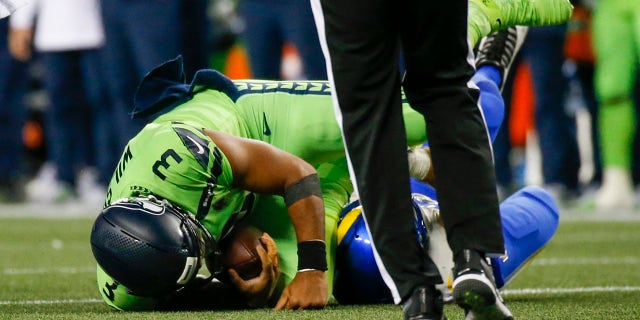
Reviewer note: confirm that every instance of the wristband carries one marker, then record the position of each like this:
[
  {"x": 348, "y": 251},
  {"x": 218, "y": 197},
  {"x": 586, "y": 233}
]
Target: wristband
[{"x": 312, "y": 255}]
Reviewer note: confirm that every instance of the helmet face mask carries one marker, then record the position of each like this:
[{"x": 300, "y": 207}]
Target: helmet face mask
[
  {"x": 209, "y": 249},
  {"x": 151, "y": 246}
]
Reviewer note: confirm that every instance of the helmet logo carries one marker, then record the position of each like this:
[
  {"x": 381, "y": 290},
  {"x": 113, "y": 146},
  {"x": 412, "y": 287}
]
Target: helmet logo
[
  {"x": 153, "y": 208},
  {"x": 149, "y": 206}
]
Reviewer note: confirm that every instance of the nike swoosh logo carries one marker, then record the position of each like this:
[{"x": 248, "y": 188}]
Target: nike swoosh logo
[
  {"x": 267, "y": 130},
  {"x": 200, "y": 148}
]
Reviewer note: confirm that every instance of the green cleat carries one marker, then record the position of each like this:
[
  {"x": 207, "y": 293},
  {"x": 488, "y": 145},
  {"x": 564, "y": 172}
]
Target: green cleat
[{"x": 486, "y": 16}]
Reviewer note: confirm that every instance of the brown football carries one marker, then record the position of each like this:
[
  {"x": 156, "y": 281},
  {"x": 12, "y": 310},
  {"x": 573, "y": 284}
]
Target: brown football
[{"x": 239, "y": 251}]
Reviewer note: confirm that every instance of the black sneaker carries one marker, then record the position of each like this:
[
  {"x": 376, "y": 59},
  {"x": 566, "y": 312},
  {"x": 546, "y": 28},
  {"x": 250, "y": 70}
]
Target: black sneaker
[
  {"x": 474, "y": 288},
  {"x": 425, "y": 303},
  {"x": 500, "y": 48}
]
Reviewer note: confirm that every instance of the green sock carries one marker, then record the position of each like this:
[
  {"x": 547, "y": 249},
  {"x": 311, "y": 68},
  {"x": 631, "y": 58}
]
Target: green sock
[{"x": 617, "y": 127}]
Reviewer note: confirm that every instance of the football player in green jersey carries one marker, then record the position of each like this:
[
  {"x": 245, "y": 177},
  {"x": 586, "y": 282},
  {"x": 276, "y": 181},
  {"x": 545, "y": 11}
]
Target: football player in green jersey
[{"x": 218, "y": 152}]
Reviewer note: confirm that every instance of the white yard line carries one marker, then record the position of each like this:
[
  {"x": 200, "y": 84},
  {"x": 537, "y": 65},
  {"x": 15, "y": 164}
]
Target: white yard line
[
  {"x": 35, "y": 302},
  {"x": 31, "y": 271},
  {"x": 524, "y": 291},
  {"x": 534, "y": 291},
  {"x": 585, "y": 261},
  {"x": 48, "y": 211}
]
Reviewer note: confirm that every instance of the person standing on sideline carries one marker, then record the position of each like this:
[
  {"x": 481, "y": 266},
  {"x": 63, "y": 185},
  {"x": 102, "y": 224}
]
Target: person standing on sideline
[
  {"x": 555, "y": 123},
  {"x": 269, "y": 25},
  {"x": 362, "y": 42},
  {"x": 13, "y": 114},
  {"x": 68, "y": 37},
  {"x": 140, "y": 35},
  {"x": 615, "y": 42}
]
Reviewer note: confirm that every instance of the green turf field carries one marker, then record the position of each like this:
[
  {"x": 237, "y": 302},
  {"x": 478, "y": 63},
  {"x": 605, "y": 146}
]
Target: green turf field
[{"x": 590, "y": 270}]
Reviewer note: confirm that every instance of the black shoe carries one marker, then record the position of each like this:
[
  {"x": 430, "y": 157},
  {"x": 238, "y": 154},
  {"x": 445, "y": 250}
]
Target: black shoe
[
  {"x": 425, "y": 303},
  {"x": 500, "y": 48},
  {"x": 474, "y": 288}
]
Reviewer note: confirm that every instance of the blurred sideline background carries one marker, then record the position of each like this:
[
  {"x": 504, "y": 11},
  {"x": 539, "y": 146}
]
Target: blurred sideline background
[{"x": 228, "y": 54}]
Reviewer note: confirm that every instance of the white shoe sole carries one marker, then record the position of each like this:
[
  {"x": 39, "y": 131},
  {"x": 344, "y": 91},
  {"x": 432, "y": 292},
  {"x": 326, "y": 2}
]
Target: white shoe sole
[{"x": 478, "y": 296}]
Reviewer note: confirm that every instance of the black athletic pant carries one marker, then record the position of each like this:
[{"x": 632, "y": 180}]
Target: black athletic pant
[{"x": 363, "y": 38}]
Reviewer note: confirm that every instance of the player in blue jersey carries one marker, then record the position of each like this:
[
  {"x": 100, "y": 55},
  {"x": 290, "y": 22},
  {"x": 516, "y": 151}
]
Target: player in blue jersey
[{"x": 529, "y": 217}]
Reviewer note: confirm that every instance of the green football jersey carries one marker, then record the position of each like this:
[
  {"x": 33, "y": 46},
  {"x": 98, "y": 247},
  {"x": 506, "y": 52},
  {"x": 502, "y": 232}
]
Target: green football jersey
[
  {"x": 299, "y": 117},
  {"x": 172, "y": 158}
]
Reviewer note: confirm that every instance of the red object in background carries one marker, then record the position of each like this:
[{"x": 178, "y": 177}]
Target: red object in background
[
  {"x": 578, "y": 46},
  {"x": 237, "y": 63},
  {"x": 522, "y": 104},
  {"x": 33, "y": 135},
  {"x": 237, "y": 67}
]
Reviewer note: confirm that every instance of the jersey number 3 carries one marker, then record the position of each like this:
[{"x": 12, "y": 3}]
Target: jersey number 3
[{"x": 170, "y": 153}]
